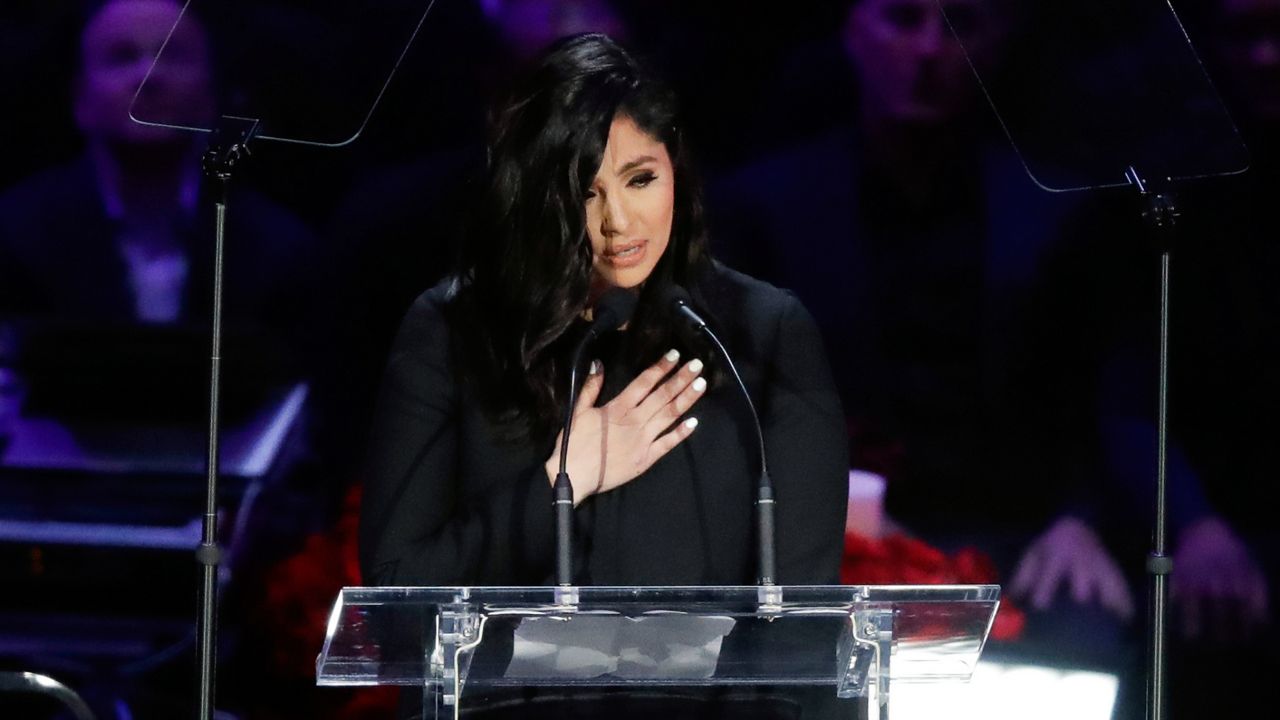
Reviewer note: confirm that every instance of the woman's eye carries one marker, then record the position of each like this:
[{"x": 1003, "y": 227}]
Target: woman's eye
[
  {"x": 642, "y": 180},
  {"x": 591, "y": 194}
]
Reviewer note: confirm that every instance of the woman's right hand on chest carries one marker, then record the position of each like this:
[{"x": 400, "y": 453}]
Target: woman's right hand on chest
[{"x": 613, "y": 444}]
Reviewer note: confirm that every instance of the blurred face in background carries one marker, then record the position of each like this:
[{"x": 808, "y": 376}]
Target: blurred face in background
[
  {"x": 529, "y": 26},
  {"x": 910, "y": 68},
  {"x": 1248, "y": 47},
  {"x": 117, "y": 48}
]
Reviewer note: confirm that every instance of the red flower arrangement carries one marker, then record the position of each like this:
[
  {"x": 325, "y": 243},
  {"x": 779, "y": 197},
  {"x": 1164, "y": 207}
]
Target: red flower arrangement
[
  {"x": 901, "y": 560},
  {"x": 300, "y": 592}
]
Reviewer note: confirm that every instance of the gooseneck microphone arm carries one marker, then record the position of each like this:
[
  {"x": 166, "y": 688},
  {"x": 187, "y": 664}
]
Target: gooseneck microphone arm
[
  {"x": 563, "y": 488},
  {"x": 767, "y": 565},
  {"x": 612, "y": 310},
  {"x": 765, "y": 561}
]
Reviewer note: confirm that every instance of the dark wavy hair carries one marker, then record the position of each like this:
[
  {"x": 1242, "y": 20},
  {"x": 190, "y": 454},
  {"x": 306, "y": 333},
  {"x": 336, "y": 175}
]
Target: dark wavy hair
[{"x": 525, "y": 263}]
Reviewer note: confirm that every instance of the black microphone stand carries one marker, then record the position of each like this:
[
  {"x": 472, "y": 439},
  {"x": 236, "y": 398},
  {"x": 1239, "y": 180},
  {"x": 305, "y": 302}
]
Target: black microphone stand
[
  {"x": 228, "y": 147},
  {"x": 563, "y": 488},
  {"x": 765, "y": 560},
  {"x": 1161, "y": 214},
  {"x": 613, "y": 309}
]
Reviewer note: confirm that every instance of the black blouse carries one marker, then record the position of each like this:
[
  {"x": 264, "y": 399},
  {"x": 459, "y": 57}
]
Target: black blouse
[{"x": 449, "y": 499}]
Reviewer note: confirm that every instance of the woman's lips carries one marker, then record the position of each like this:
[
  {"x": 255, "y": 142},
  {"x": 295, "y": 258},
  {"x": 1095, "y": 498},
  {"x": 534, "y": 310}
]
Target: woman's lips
[{"x": 625, "y": 256}]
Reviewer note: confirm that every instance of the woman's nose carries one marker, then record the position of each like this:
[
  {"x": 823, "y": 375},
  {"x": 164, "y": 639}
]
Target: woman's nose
[{"x": 616, "y": 216}]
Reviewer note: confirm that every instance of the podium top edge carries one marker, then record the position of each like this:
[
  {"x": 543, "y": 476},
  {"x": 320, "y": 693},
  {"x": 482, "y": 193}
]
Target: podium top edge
[{"x": 679, "y": 593}]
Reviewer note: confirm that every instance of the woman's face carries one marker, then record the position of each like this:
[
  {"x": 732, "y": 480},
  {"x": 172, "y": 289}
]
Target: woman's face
[{"x": 630, "y": 205}]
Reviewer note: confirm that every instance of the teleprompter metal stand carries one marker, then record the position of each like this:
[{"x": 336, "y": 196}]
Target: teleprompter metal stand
[
  {"x": 1160, "y": 213},
  {"x": 385, "y": 32},
  {"x": 228, "y": 148}
]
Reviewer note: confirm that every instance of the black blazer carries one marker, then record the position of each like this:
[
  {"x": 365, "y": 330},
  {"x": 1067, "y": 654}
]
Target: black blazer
[
  {"x": 447, "y": 501},
  {"x": 59, "y": 257}
]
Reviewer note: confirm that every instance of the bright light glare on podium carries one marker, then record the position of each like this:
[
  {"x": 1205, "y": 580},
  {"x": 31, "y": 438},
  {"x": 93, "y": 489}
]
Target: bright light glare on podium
[{"x": 1000, "y": 691}]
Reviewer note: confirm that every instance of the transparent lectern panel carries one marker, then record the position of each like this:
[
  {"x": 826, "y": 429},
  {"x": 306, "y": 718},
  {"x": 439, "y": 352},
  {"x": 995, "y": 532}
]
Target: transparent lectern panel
[
  {"x": 1099, "y": 86},
  {"x": 312, "y": 72},
  {"x": 618, "y": 637}
]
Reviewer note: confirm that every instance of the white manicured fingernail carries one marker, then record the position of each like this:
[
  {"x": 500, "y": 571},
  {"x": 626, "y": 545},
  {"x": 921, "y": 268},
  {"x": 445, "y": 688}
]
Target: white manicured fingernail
[
  {"x": 672, "y": 355},
  {"x": 595, "y": 367},
  {"x": 691, "y": 423},
  {"x": 695, "y": 366},
  {"x": 699, "y": 385}
]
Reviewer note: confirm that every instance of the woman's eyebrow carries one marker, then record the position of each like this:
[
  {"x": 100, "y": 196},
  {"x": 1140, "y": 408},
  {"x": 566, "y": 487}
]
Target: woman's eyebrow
[{"x": 632, "y": 165}]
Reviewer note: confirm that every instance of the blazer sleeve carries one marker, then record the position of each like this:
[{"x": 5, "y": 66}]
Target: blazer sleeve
[
  {"x": 808, "y": 452},
  {"x": 416, "y": 528}
]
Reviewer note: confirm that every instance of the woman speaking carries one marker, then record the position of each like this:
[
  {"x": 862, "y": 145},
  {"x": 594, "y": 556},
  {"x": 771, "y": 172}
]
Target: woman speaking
[{"x": 589, "y": 188}]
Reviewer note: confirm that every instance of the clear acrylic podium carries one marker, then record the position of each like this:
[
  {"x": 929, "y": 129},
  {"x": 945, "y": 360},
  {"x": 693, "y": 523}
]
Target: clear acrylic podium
[{"x": 464, "y": 646}]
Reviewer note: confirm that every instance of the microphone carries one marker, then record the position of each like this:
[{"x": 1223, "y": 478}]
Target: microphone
[
  {"x": 677, "y": 298},
  {"x": 614, "y": 308}
]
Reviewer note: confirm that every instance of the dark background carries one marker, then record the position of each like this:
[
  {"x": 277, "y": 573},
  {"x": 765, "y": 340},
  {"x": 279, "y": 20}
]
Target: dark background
[{"x": 755, "y": 79}]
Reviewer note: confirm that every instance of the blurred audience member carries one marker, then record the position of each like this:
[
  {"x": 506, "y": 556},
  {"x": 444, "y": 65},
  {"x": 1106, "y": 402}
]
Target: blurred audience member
[
  {"x": 1104, "y": 291},
  {"x": 916, "y": 236},
  {"x": 109, "y": 261},
  {"x": 1244, "y": 49},
  {"x": 120, "y": 235},
  {"x": 529, "y": 26}
]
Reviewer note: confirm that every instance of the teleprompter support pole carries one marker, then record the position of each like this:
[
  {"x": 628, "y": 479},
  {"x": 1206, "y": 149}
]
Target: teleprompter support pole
[
  {"x": 1161, "y": 214},
  {"x": 228, "y": 148}
]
